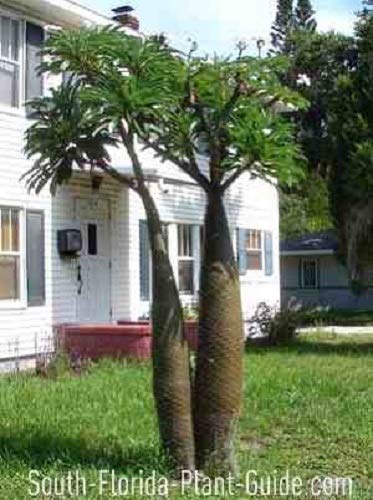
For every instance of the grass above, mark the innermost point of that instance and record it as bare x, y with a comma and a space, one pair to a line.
308, 409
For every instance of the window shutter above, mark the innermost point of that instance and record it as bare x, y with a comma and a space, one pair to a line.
144, 261
268, 253
34, 43
35, 257
241, 251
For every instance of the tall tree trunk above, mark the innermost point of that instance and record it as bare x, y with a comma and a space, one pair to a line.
171, 364
218, 385
170, 353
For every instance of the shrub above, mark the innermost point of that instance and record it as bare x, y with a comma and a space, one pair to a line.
53, 366
191, 312
279, 327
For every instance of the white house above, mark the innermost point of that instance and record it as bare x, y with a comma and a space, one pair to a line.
110, 278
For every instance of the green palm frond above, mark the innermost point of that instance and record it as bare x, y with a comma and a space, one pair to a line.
66, 134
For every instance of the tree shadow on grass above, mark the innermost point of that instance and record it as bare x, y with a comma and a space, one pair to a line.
305, 347
38, 450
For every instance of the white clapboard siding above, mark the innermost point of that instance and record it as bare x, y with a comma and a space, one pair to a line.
251, 204
22, 330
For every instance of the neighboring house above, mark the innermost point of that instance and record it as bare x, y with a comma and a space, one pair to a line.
110, 278
313, 275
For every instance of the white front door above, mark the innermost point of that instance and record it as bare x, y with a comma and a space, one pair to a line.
94, 272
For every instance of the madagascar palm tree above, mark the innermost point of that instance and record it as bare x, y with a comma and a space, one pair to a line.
232, 105
100, 105
141, 90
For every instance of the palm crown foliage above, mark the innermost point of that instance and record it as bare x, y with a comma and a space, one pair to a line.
230, 105
107, 78
125, 84
67, 134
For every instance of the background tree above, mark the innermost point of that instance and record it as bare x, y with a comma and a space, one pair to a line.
315, 61
334, 73
305, 208
368, 6
229, 105
282, 26
115, 82
304, 16
351, 138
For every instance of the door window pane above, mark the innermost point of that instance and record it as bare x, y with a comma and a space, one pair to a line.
92, 239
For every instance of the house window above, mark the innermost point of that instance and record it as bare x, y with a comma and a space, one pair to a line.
9, 61
254, 249
186, 258
309, 273
10, 257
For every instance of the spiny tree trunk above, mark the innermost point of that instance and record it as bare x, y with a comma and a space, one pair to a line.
170, 352
171, 365
218, 385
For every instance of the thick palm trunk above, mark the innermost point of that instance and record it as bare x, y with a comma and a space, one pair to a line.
171, 366
218, 386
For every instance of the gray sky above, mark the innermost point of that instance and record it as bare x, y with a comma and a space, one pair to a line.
217, 24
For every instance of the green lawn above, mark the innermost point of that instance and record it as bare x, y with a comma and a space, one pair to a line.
308, 409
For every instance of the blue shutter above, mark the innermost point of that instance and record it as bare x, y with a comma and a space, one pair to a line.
34, 44
35, 258
268, 253
241, 251
144, 261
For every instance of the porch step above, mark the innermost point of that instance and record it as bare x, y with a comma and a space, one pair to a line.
126, 339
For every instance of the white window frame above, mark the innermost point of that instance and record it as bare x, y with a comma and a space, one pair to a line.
20, 109
302, 280
21, 302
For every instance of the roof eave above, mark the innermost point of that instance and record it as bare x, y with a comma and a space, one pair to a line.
296, 253
60, 12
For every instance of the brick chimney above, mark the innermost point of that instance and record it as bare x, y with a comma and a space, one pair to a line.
123, 15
